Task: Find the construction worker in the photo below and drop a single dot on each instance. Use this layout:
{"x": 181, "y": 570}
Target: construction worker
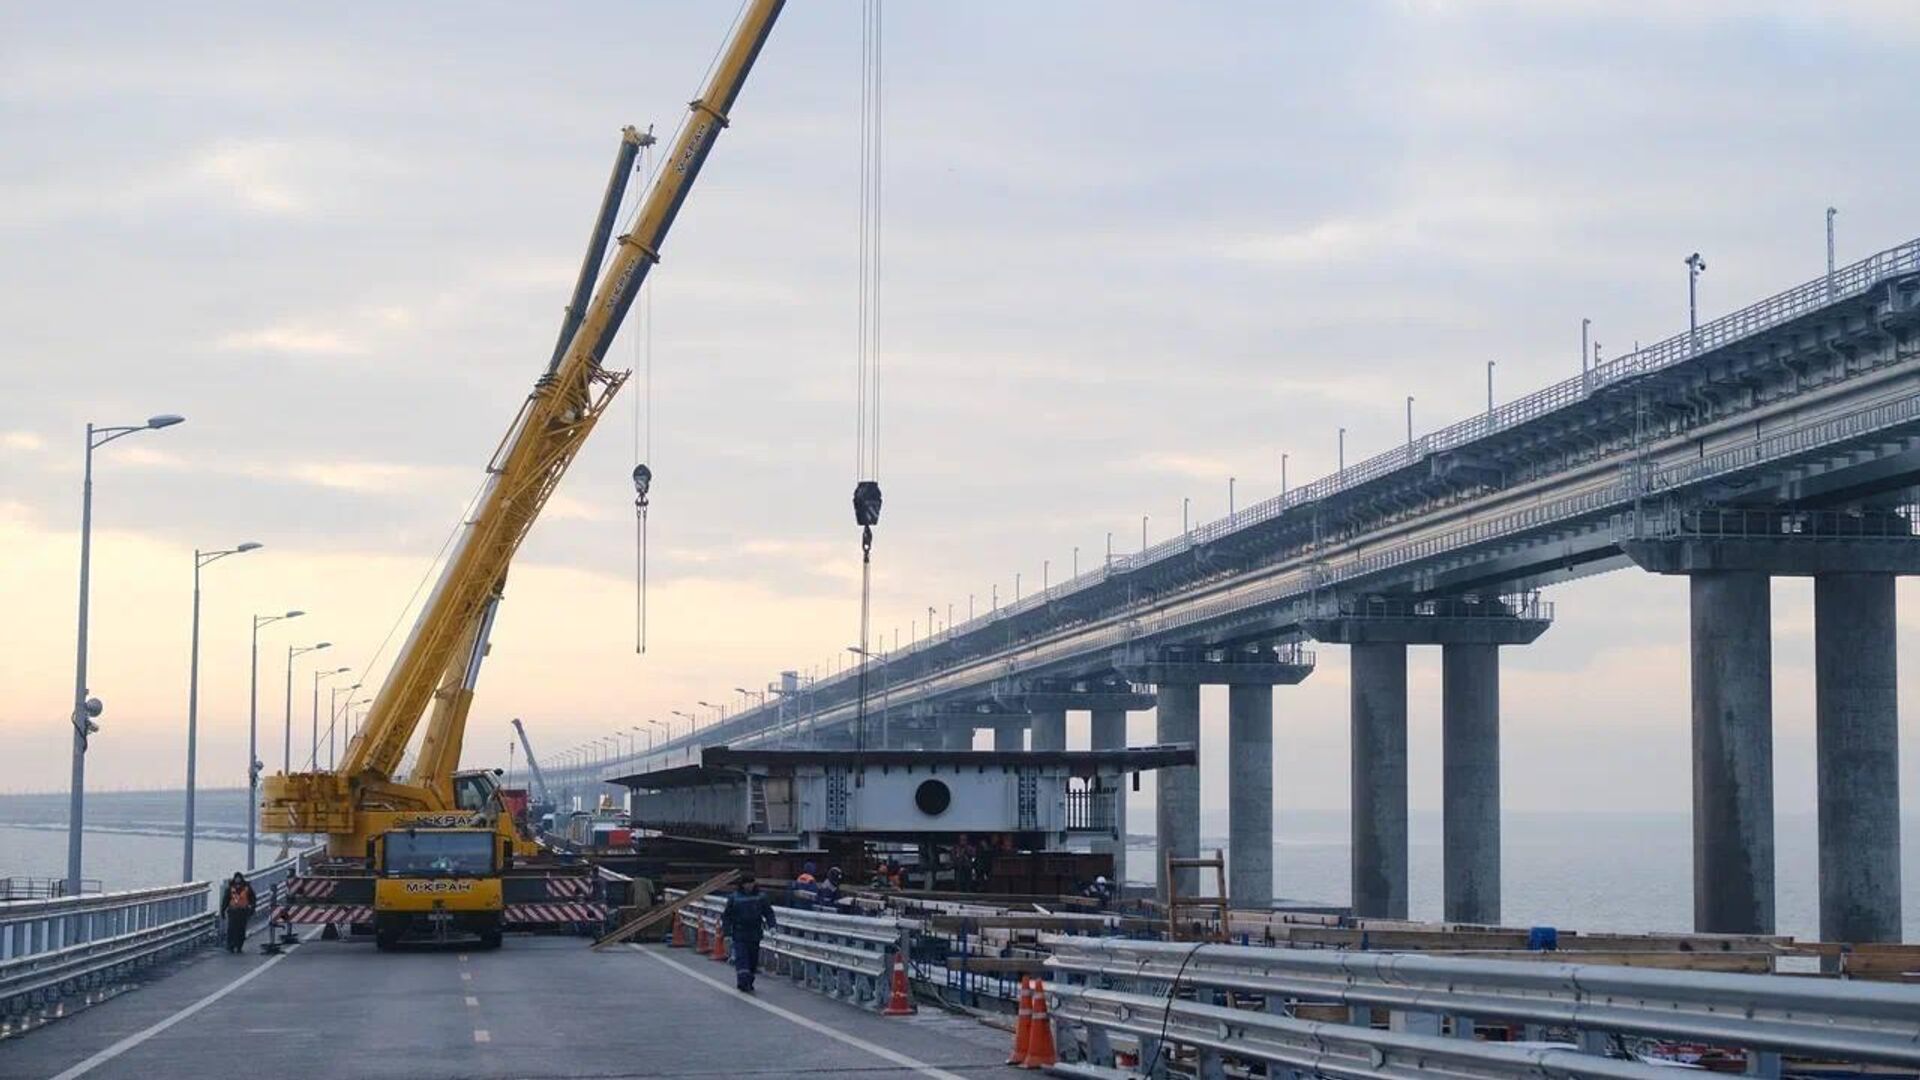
{"x": 746, "y": 915}
{"x": 236, "y": 906}
{"x": 827, "y": 894}
{"x": 806, "y": 888}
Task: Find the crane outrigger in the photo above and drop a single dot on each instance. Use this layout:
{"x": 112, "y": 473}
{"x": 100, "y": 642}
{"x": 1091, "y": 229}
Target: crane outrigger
{"x": 435, "y": 846}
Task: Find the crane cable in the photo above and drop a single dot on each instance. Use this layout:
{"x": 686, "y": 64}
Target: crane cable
{"x": 642, "y": 341}
{"x": 866, "y": 464}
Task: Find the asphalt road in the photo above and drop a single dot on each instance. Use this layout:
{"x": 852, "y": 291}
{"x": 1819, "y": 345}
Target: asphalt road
{"x": 539, "y": 1007}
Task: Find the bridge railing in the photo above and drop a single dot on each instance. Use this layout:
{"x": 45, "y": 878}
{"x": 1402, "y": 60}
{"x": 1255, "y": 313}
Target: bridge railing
{"x": 847, "y": 957}
{"x": 1126, "y": 986}
{"x": 51, "y": 947}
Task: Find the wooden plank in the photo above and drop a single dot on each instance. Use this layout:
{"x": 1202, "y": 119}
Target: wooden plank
{"x": 663, "y": 911}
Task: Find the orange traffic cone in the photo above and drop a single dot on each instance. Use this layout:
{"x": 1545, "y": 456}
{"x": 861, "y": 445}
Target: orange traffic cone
{"x": 719, "y": 945}
{"x": 1041, "y": 1053}
{"x": 679, "y": 939}
{"x": 1023, "y": 1028}
{"x": 700, "y": 937}
{"x": 900, "y": 1001}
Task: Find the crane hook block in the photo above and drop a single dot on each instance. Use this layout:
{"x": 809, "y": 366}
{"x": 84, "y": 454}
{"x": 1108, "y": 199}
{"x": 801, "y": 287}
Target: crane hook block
{"x": 642, "y": 483}
{"x": 866, "y": 503}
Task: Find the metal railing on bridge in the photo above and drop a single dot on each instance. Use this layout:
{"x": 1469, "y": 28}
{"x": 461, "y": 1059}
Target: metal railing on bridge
{"x": 1109, "y": 986}
{"x": 847, "y": 957}
{"x": 53, "y": 947}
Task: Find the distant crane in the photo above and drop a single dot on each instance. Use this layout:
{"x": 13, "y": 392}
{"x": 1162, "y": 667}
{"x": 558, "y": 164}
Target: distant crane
{"x": 540, "y": 788}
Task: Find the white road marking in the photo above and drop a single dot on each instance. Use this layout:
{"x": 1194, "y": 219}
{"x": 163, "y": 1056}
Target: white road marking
{"x": 466, "y": 977}
{"x": 139, "y": 1037}
{"x": 463, "y": 958}
{"x": 480, "y": 1035}
{"x": 810, "y": 1024}
{"x": 473, "y": 1002}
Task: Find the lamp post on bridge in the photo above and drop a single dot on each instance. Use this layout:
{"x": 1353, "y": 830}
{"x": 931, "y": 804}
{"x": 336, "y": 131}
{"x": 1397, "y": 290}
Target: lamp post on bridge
{"x": 1490, "y": 365}
{"x": 286, "y": 731}
{"x": 318, "y": 675}
{"x": 1831, "y": 212}
{"x": 1695, "y": 267}
{"x": 1186, "y": 504}
{"x": 1409, "y": 422}
{"x": 200, "y": 559}
{"x": 1283, "y": 477}
{"x": 1340, "y": 453}
{"x": 335, "y": 717}
{"x": 254, "y": 764}
{"x": 86, "y": 707}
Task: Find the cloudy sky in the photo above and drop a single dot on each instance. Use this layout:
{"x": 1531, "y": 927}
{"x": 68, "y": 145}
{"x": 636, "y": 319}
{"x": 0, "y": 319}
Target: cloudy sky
{"x": 1131, "y": 250}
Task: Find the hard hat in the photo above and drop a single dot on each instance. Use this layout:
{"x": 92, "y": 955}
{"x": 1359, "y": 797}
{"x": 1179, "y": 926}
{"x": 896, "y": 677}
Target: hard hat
{"x": 1101, "y": 880}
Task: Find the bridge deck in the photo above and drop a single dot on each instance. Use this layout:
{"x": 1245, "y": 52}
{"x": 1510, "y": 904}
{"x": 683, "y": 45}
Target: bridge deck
{"x": 539, "y": 1007}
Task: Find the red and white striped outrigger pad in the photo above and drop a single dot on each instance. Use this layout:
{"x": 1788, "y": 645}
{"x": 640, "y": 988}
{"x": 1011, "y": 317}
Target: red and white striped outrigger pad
{"x": 569, "y": 886}
{"x": 316, "y": 914}
{"x": 311, "y": 888}
{"x": 555, "y": 913}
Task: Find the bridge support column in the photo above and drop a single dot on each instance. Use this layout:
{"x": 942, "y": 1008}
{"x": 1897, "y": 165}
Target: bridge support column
{"x": 1250, "y": 795}
{"x": 1470, "y": 782}
{"x": 1732, "y": 651}
{"x": 1469, "y": 632}
{"x": 1177, "y": 810}
{"x": 1050, "y": 730}
{"x": 1379, "y": 773}
{"x": 1857, "y": 731}
{"x": 1107, "y": 730}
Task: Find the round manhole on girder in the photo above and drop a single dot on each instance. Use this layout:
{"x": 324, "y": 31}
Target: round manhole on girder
{"x": 933, "y": 797}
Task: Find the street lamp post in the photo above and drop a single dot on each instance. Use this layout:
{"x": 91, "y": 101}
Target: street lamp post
{"x": 1831, "y": 212}
{"x": 1409, "y": 422}
{"x": 1695, "y": 267}
{"x": 86, "y": 708}
{"x": 1143, "y": 533}
{"x": 200, "y": 559}
{"x": 1340, "y": 454}
{"x": 1283, "y": 477}
{"x": 1186, "y": 505}
{"x": 253, "y": 730}
{"x": 286, "y": 730}
{"x": 314, "y": 762}
{"x": 334, "y": 717}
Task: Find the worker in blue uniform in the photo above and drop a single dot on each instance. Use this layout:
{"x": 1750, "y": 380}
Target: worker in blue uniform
{"x": 746, "y": 916}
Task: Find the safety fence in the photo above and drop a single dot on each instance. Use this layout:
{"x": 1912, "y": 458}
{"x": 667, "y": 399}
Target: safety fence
{"x": 75, "y": 944}
{"x": 846, "y": 957}
{"x": 1213, "y": 1003}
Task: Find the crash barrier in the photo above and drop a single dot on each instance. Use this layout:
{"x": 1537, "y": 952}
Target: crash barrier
{"x": 1109, "y": 986}
{"x": 49, "y": 948}
{"x": 847, "y": 957}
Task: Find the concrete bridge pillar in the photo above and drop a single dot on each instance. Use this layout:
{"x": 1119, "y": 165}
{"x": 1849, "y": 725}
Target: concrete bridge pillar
{"x": 1470, "y": 782}
{"x": 1250, "y": 795}
{"x": 1379, "y": 779}
{"x": 1469, "y": 632}
{"x": 1107, "y": 730}
{"x": 1857, "y": 733}
{"x": 1732, "y": 658}
{"x": 1178, "y": 806}
{"x": 1049, "y": 729}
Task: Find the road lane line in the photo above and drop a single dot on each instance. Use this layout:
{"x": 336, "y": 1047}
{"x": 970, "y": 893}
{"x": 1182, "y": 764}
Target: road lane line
{"x": 480, "y": 1035}
{"x": 809, "y": 1023}
{"x": 473, "y": 1002}
{"x": 139, "y": 1037}
{"x": 465, "y": 977}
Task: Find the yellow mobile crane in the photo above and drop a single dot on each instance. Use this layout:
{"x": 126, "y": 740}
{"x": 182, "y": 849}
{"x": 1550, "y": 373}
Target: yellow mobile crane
{"x": 435, "y": 848}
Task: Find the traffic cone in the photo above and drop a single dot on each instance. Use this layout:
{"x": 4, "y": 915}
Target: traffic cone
{"x": 900, "y": 1001}
{"x": 1041, "y": 1053}
{"x": 679, "y": 940}
{"x": 700, "y": 936}
{"x": 1023, "y": 1027}
{"x": 719, "y": 945}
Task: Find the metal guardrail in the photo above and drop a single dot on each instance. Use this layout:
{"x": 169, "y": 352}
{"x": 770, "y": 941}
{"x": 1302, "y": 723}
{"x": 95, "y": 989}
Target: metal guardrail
{"x": 1866, "y": 1023}
{"x": 847, "y": 957}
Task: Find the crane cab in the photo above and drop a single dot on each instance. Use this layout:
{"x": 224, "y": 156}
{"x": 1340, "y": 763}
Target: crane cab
{"x": 436, "y": 883}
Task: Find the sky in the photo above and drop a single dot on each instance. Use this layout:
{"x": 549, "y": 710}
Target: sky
{"x": 1130, "y": 251}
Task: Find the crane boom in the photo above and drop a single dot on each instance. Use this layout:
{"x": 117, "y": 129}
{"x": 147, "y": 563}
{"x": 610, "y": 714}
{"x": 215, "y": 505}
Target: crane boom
{"x": 435, "y": 666}
{"x": 533, "y": 765}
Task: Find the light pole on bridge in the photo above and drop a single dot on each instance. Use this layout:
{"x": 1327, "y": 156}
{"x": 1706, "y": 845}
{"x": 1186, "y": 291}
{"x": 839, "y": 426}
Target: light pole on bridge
{"x": 200, "y": 559}
{"x": 85, "y": 707}
{"x": 286, "y": 731}
{"x": 1831, "y": 212}
{"x": 254, "y": 764}
{"x": 318, "y": 675}
{"x": 1695, "y": 267}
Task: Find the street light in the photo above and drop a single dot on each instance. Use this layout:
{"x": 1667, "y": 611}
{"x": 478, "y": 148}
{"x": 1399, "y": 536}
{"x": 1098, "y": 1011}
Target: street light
{"x": 314, "y": 762}
{"x": 333, "y": 719}
{"x": 1186, "y": 505}
{"x": 1340, "y": 455}
{"x": 286, "y": 730}
{"x": 253, "y": 729}
{"x": 1831, "y": 212}
{"x": 1230, "y": 513}
{"x": 200, "y": 559}
{"x": 1409, "y": 421}
{"x": 1283, "y": 477}
{"x": 1490, "y": 364}
{"x": 86, "y": 708}
{"x": 1695, "y": 267}
{"x": 1143, "y": 534}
